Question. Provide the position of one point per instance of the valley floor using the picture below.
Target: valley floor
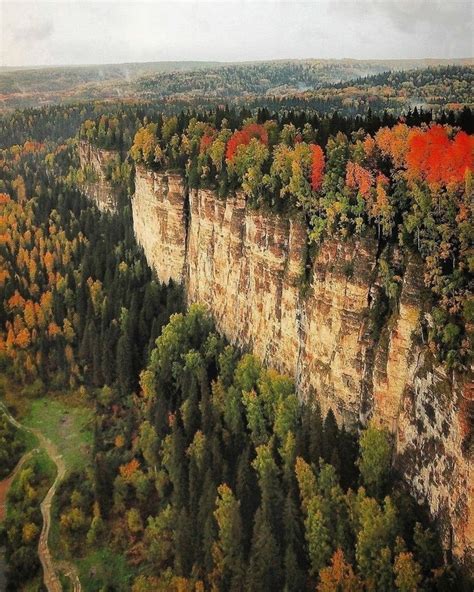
(60, 429)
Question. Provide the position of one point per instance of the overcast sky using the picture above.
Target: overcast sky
(91, 32)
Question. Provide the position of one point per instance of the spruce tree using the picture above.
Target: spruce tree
(330, 436)
(124, 365)
(183, 544)
(315, 434)
(265, 570)
(293, 572)
(227, 550)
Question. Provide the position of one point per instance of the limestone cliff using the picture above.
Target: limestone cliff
(247, 267)
(100, 190)
(159, 222)
(317, 324)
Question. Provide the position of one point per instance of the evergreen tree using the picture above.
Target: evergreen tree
(247, 493)
(264, 572)
(183, 544)
(375, 459)
(124, 365)
(227, 551)
(294, 576)
(330, 436)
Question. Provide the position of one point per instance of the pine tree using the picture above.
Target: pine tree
(124, 365)
(293, 572)
(315, 434)
(183, 544)
(264, 572)
(375, 459)
(227, 550)
(206, 524)
(330, 436)
(317, 535)
(247, 493)
(107, 360)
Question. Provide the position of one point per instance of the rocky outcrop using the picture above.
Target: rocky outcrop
(429, 442)
(316, 323)
(94, 163)
(249, 269)
(159, 222)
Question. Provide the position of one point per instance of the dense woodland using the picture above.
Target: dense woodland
(199, 83)
(406, 184)
(23, 523)
(447, 87)
(11, 446)
(206, 471)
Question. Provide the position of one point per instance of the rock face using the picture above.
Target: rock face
(317, 324)
(101, 191)
(247, 267)
(159, 222)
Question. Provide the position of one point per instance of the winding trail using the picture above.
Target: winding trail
(51, 569)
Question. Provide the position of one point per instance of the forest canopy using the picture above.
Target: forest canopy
(407, 185)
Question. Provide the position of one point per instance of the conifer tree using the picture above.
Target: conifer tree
(183, 544)
(124, 365)
(264, 572)
(227, 550)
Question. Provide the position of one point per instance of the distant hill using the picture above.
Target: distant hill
(187, 81)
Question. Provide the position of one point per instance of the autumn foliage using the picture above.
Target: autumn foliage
(432, 154)
(357, 177)
(244, 136)
(435, 158)
(129, 469)
(206, 141)
(317, 167)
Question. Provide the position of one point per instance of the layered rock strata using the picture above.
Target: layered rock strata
(100, 190)
(317, 324)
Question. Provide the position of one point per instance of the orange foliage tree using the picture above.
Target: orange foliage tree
(317, 167)
(243, 137)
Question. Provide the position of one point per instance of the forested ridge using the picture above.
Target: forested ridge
(207, 472)
(346, 85)
(406, 184)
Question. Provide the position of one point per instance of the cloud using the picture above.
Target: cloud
(408, 15)
(34, 32)
(67, 31)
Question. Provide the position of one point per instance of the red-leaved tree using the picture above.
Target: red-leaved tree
(243, 137)
(317, 167)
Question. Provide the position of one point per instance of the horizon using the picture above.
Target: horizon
(90, 33)
(236, 62)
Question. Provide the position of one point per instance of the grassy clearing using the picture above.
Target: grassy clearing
(67, 421)
(46, 466)
(105, 570)
(67, 426)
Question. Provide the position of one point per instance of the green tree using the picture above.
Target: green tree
(407, 573)
(293, 572)
(375, 459)
(377, 528)
(149, 444)
(264, 571)
(158, 539)
(124, 365)
(227, 550)
(317, 535)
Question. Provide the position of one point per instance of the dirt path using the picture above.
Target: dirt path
(50, 568)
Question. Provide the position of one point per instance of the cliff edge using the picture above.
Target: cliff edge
(319, 322)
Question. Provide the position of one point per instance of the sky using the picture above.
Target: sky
(110, 31)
